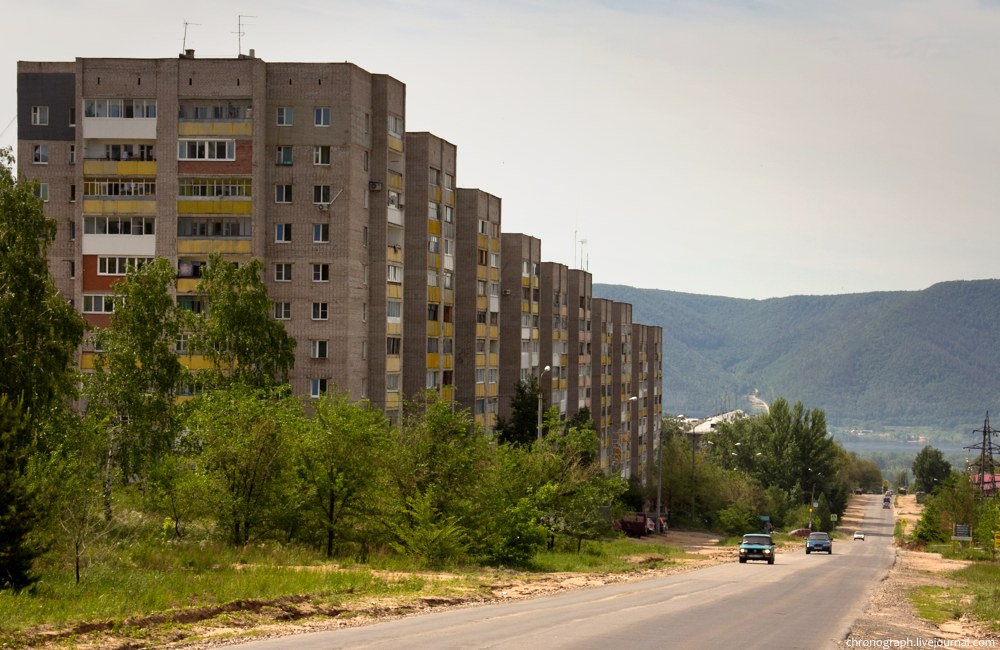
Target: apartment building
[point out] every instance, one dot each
(477, 305)
(429, 267)
(647, 379)
(297, 164)
(308, 167)
(520, 295)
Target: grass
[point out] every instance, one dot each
(975, 594)
(128, 588)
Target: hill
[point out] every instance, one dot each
(926, 358)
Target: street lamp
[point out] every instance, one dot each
(541, 372)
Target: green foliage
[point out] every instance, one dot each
(929, 469)
(19, 513)
(425, 534)
(522, 428)
(932, 526)
(238, 334)
(738, 519)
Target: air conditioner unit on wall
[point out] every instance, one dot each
(323, 206)
(374, 186)
(506, 292)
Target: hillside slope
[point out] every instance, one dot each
(906, 358)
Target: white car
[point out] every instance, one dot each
(859, 535)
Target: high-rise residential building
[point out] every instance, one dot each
(615, 403)
(429, 267)
(520, 293)
(647, 380)
(300, 165)
(554, 335)
(580, 342)
(477, 305)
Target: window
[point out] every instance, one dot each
(449, 280)
(318, 349)
(480, 287)
(433, 380)
(395, 273)
(41, 154)
(480, 346)
(321, 194)
(206, 150)
(320, 311)
(72, 154)
(393, 344)
(119, 265)
(480, 375)
(42, 191)
(285, 116)
(321, 233)
(396, 126)
(222, 187)
(70, 269)
(394, 311)
(433, 244)
(392, 383)
(321, 272)
(116, 225)
(322, 116)
(98, 304)
(432, 278)
(282, 272)
(481, 256)
(433, 210)
(432, 311)
(449, 214)
(434, 176)
(283, 155)
(72, 116)
(283, 232)
(283, 310)
(39, 115)
(394, 201)
(432, 345)
(321, 155)
(191, 303)
(181, 344)
(282, 193)
(317, 387)
(449, 182)
(495, 260)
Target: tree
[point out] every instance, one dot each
(39, 330)
(134, 384)
(238, 334)
(340, 462)
(522, 428)
(39, 335)
(929, 469)
(246, 437)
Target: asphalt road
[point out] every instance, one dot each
(802, 601)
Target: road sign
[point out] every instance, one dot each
(996, 540)
(833, 517)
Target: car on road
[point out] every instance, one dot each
(859, 534)
(886, 505)
(757, 546)
(819, 542)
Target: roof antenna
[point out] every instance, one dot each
(185, 40)
(240, 33)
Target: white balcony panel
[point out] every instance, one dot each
(121, 245)
(395, 216)
(120, 128)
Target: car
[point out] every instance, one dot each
(859, 534)
(757, 546)
(886, 505)
(819, 542)
(801, 532)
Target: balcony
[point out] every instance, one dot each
(119, 168)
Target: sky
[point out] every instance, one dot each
(740, 148)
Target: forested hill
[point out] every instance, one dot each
(903, 358)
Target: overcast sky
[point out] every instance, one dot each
(743, 148)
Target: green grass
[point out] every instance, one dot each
(980, 580)
(938, 604)
(618, 556)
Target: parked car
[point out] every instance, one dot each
(886, 505)
(859, 534)
(819, 542)
(801, 532)
(757, 546)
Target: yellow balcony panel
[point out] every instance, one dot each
(106, 206)
(494, 274)
(87, 360)
(196, 362)
(119, 168)
(447, 362)
(395, 144)
(434, 294)
(394, 329)
(433, 328)
(494, 360)
(215, 129)
(394, 290)
(394, 253)
(448, 329)
(436, 193)
(433, 361)
(482, 273)
(481, 329)
(393, 400)
(494, 331)
(434, 227)
(448, 296)
(393, 363)
(480, 390)
(187, 285)
(448, 393)
(215, 206)
(395, 181)
(222, 246)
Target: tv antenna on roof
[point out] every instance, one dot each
(184, 41)
(240, 33)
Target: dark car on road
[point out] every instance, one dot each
(757, 546)
(819, 542)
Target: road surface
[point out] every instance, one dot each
(801, 601)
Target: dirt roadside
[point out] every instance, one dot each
(889, 614)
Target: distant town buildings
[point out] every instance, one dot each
(392, 278)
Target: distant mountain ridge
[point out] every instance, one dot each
(903, 358)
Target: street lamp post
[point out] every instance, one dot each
(540, 373)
